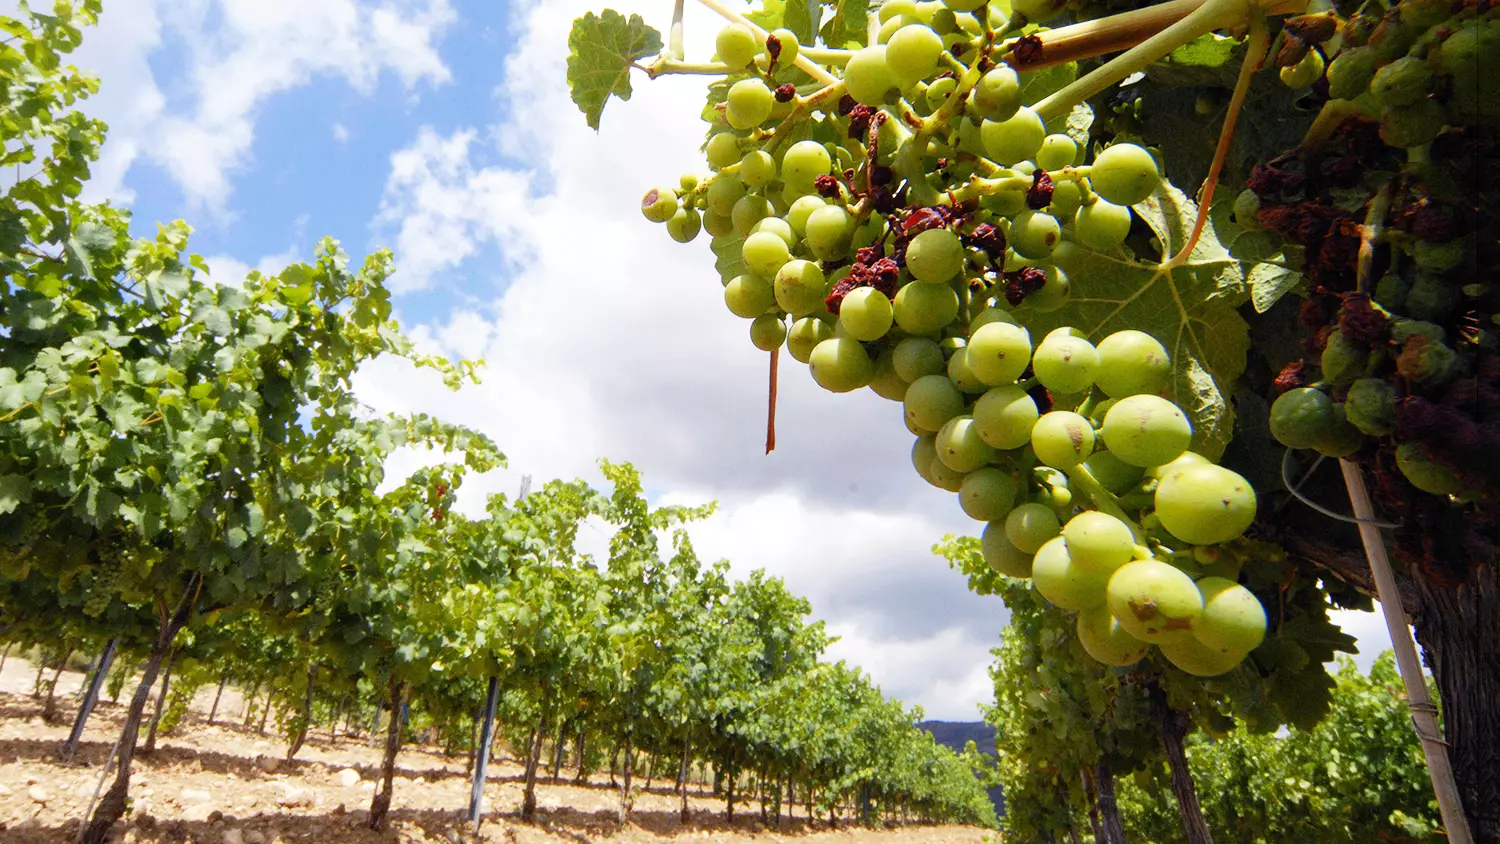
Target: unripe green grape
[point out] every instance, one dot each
(777, 226)
(868, 77)
(684, 225)
(998, 353)
(1065, 363)
(1098, 542)
(805, 335)
(801, 211)
(1034, 234)
(865, 314)
(767, 332)
(1343, 439)
(1247, 210)
(1000, 554)
(1370, 406)
(923, 453)
(912, 53)
(1424, 473)
(1067, 197)
(1413, 125)
(931, 401)
(724, 193)
(987, 494)
(800, 286)
(1112, 473)
(1030, 526)
(723, 149)
(964, 5)
(1062, 439)
(916, 357)
(1402, 82)
(790, 47)
(896, 8)
(1146, 430)
(1063, 583)
(748, 296)
(922, 308)
(840, 365)
(749, 210)
(959, 445)
(886, 383)
(1154, 601)
(749, 104)
(764, 253)
(1305, 72)
(716, 224)
(934, 256)
(1015, 139)
(1106, 640)
(989, 315)
(1124, 174)
(944, 21)
(1057, 151)
(803, 163)
(1005, 417)
(659, 204)
(1101, 225)
(939, 91)
(1301, 418)
(757, 168)
(1205, 504)
(1038, 11)
(827, 230)
(1193, 657)
(1233, 621)
(1351, 71)
(892, 26)
(961, 374)
(1053, 294)
(998, 94)
(736, 45)
(1132, 362)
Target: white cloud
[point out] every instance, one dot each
(226, 269)
(341, 133)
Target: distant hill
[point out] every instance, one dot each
(957, 734)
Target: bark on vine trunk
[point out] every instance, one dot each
(112, 805)
(1457, 629)
(682, 773)
(625, 777)
(380, 804)
(1174, 728)
(161, 701)
(533, 761)
(1113, 831)
(559, 747)
(214, 710)
(583, 765)
(305, 721)
(49, 709)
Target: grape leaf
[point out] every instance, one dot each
(601, 50)
(728, 259)
(800, 19)
(770, 14)
(1190, 308)
(849, 25)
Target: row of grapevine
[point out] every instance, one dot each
(188, 479)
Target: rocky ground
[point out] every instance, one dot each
(227, 784)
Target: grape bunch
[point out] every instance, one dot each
(895, 230)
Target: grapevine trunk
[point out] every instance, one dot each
(1174, 728)
(214, 710)
(1109, 808)
(161, 703)
(380, 804)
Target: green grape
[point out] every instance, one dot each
(1112, 473)
(723, 150)
(896, 8)
(934, 256)
(1065, 363)
(1005, 417)
(1053, 294)
(964, 5)
(749, 210)
(961, 374)
(1424, 473)
(1101, 225)
(923, 453)
(923, 308)
(1146, 430)
(1029, 526)
(1185, 461)
(1402, 82)
(986, 495)
(1305, 72)
(886, 383)
(1034, 234)
(939, 91)
(716, 224)
(684, 225)
(1414, 125)
(865, 314)
(767, 332)
(1104, 639)
(1247, 210)
(944, 21)
(989, 315)
(803, 163)
(1062, 582)
(998, 353)
(868, 77)
(997, 96)
(757, 168)
(1054, 491)
(764, 253)
(945, 478)
(1342, 439)
(912, 53)
(724, 193)
(800, 285)
(749, 296)
(1205, 504)
(827, 231)
(1370, 406)
(1062, 439)
(777, 226)
(801, 211)
(1351, 71)
(805, 335)
(931, 401)
(790, 46)
(736, 45)
(1301, 418)
(1015, 139)
(1038, 11)
(916, 357)
(1098, 543)
(1233, 621)
(1199, 660)
(1000, 554)
(1057, 151)
(1154, 601)
(959, 445)
(659, 204)
(1132, 362)
(840, 365)
(1124, 174)
(749, 103)
(1067, 197)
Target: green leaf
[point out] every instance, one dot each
(770, 15)
(850, 24)
(15, 490)
(728, 255)
(799, 18)
(602, 49)
(1268, 283)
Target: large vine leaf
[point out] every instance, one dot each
(849, 26)
(601, 51)
(1190, 308)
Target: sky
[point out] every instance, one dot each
(442, 129)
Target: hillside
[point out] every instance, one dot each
(957, 734)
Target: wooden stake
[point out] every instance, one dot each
(1423, 713)
(771, 408)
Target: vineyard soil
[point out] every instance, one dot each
(210, 784)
